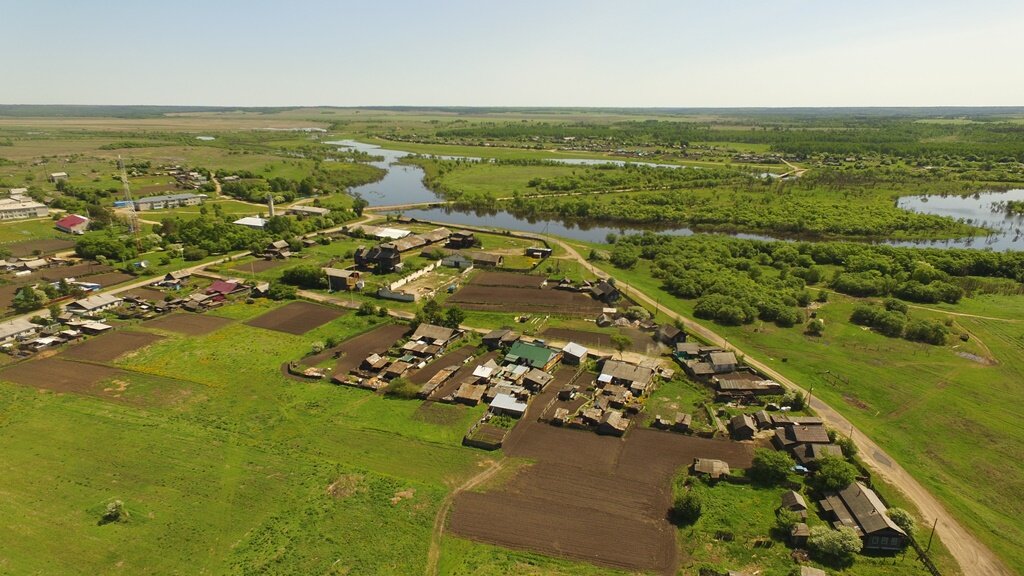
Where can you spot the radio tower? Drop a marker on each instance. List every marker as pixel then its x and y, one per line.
pixel 133 217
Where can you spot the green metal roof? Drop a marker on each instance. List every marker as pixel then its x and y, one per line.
pixel 534 354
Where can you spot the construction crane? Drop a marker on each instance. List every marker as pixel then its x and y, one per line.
pixel 133 217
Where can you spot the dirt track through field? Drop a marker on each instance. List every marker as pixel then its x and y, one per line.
pixel 296 317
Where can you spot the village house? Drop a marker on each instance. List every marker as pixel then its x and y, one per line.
pixel 486 259
pixel 457 261
pixel 277 249
pixel 538 252
pixel 73 224
pixel 745 384
pixel 858 507
pixel 808 455
pixel 460 239
pixel 788 437
pixel 93 304
pixel 574 354
pixel 470 393
pixel 383 258
pixel 501 338
pixel 343 280
pixel 94 328
pixel 711 468
pixel 433 334
pixel 533 355
pixel 605 291
pixel 742 427
pixel 669 335
pixel 221 289
pixel 175 279
pixel 722 362
pixel 613 423
pixel 508 405
pixel 636 379
pixel 536 380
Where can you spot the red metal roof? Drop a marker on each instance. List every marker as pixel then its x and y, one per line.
pixel 71 220
pixel 221 287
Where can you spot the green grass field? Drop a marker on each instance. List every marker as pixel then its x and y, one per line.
pixel 35 229
pixel 225 465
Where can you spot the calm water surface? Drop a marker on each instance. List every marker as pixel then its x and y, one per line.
pixel 404 185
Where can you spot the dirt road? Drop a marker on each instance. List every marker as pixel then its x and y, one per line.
pixel 434 554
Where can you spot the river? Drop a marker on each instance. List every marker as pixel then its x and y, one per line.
pixel 403 184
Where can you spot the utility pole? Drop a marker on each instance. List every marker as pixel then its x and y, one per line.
pixel 932 535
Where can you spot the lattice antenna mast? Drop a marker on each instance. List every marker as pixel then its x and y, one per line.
pixel 133 216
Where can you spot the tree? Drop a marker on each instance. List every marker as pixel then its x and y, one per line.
pixel 815 328
pixel 358 204
pixel 621 342
pixel 27 299
pixel 366 309
pixel 904 520
pixel 834 544
pixel 453 317
pixel 304 276
pixel 687 507
pixel 834 474
pixel 771 466
pixel 55 311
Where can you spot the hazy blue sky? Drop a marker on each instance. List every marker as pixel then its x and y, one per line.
pixel 516 53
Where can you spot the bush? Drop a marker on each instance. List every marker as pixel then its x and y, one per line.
pixel 771 466
pixel 366 309
pixel 687 507
pixel 402 388
pixel 280 291
pixel 928 331
pixel 834 544
pixel 904 520
pixel 846 444
pixel 834 474
pixel 304 276
pixel 191 253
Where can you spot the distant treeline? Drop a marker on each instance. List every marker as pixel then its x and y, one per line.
pixel 998 141
pixel 84 111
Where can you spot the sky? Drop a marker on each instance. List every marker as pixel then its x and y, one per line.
pixel 597 53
